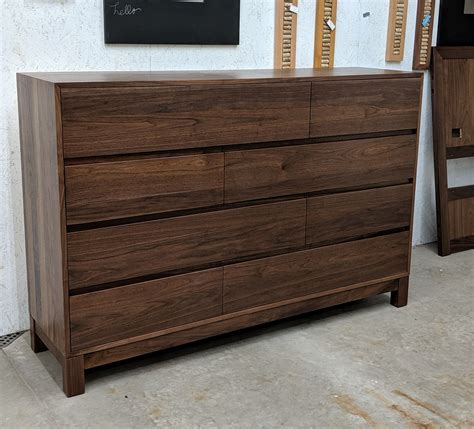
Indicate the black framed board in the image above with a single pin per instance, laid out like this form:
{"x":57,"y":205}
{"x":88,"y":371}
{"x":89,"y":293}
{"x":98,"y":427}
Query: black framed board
{"x":203,"y":22}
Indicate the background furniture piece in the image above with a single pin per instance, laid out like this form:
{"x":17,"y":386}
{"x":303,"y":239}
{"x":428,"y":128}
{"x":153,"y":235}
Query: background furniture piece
{"x":453,"y":126}
{"x":396,"y":29}
{"x":163,"y":208}
{"x":423,"y":34}
{"x":285,"y":33}
{"x":324,"y":34}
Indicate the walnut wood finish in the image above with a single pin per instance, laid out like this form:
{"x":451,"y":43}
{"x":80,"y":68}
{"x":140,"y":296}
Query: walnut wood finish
{"x":128,"y":311}
{"x":232,"y":322}
{"x":340,"y":108}
{"x":453,"y":127}
{"x":117,"y":189}
{"x":181,"y":195}
{"x":260,"y":282}
{"x":179,"y":117}
{"x":279,"y":171}
{"x":43,"y":201}
{"x":349,"y":215}
{"x":105,"y":255}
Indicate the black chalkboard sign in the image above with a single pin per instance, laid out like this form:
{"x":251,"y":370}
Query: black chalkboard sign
{"x":456,"y":27}
{"x":203,"y":22}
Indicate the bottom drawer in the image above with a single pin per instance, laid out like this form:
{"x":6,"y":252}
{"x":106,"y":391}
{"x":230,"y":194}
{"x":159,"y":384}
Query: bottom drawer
{"x":127,"y":311}
{"x":269,"y":280}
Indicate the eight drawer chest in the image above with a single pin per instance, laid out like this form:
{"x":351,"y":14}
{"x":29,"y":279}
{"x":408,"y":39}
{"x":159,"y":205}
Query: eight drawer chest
{"x":163,"y":208}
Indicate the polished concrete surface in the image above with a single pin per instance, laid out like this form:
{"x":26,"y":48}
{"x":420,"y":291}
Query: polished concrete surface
{"x":360,"y":365}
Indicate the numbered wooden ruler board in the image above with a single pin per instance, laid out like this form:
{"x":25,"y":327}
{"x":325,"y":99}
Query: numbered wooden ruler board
{"x":285,"y":37}
{"x":325,"y":35}
{"x":397,"y":20}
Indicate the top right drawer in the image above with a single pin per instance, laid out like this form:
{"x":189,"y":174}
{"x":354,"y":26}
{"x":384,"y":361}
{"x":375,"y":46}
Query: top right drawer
{"x":364,"y":106}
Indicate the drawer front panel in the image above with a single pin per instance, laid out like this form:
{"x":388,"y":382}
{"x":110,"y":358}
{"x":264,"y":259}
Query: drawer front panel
{"x":270,"y":280}
{"x":124,"y":312}
{"x":263,"y":173}
{"x":110,"y":190}
{"x":354,"y":214}
{"x":104,"y":121}
{"x":120,"y":252}
{"x":364,"y":106}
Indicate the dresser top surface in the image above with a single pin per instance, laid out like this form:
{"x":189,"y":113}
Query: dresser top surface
{"x":224,"y":76}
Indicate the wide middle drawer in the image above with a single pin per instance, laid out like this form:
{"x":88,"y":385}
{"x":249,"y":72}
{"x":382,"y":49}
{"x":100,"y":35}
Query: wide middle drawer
{"x":272,"y":172}
{"x":115,"y":189}
{"x":104,"y":255}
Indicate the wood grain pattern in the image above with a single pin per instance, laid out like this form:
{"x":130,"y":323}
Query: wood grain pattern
{"x":286,"y":23}
{"x":127,"y":311}
{"x":235,"y":321}
{"x":324,"y":37}
{"x":104,"y":121}
{"x":110,"y":190}
{"x":120,"y":252}
{"x":340,"y":108}
{"x":308,"y":168}
{"x":396,"y":29}
{"x":43,"y":193}
{"x":461,"y":218}
{"x":453,"y":125}
{"x":347,"y":215}
{"x":73,"y":376}
{"x":217,"y":77}
{"x":260,"y":282}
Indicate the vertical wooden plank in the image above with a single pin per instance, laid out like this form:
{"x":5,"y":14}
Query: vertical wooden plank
{"x":423,"y":34}
{"x":440,"y":136}
{"x":396,"y":30}
{"x":285,"y":34}
{"x":325,"y":37}
{"x":43,"y":196}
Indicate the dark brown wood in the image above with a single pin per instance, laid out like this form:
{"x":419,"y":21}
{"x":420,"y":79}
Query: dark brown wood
{"x":453,"y":131}
{"x":423,"y":34}
{"x":110,"y":190}
{"x":109,"y":254}
{"x":128,"y":311}
{"x":338,"y":217}
{"x":399,"y":297}
{"x":461,"y":192}
{"x":73,"y":376}
{"x":178,"y":117}
{"x":460,"y":152}
{"x":254,"y":283}
{"x":143,"y":78}
{"x":290,"y":170}
{"x":43,"y":202}
{"x":36,"y":343}
{"x":188,"y":192}
{"x":235,"y":321}
{"x":462,"y":244}
{"x":351,"y":107}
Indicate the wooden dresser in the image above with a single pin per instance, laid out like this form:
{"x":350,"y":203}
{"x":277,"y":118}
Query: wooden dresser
{"x":163,"y":208}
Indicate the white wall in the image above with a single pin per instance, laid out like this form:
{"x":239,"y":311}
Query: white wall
{"x":54,"y":35}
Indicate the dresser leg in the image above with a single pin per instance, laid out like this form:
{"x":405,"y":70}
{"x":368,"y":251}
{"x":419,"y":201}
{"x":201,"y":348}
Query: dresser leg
{"x":399,"y":297}
{"x":36,"y":344}
{"x":73,"y":376}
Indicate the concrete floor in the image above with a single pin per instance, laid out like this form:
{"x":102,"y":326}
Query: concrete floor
{"x":360,"y":365}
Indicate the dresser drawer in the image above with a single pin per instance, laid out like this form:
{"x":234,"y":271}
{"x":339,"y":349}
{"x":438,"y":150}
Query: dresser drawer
{"x":364,"y":106}
{"x":348,"y":215}
{"x":104,"y":121}
{"x":263,"y":173}
{"x":125,"y":312}
{"x":269,"y":280}
{"x":109,"y":254}
{"x":109,"y":190}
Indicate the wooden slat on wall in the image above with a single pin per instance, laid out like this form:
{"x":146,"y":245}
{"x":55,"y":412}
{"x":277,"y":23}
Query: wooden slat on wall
{"x":285,"y":35}
{"x":325,"y":37}
{"x":423,"y":34}
{"x":396,"y":30}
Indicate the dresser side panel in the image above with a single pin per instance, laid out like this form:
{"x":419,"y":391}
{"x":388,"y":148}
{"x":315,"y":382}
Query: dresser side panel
{"x":43,"y":199}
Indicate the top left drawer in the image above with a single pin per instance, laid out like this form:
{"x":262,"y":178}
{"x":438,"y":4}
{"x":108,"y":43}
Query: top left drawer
{"x":120,"y":120}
